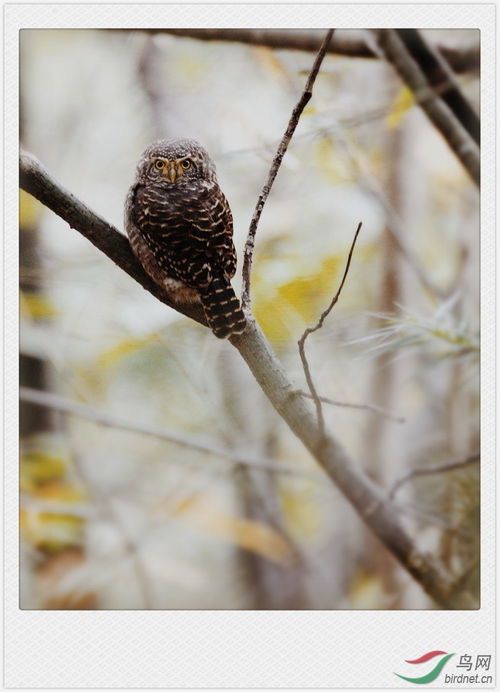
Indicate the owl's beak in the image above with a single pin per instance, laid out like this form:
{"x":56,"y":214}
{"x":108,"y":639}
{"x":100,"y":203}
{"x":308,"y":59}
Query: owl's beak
{"x":172,"y":170}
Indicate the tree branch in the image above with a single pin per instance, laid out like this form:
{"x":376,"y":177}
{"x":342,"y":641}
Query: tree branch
{"x":310,"y":330}
{"x":431,"y":470}
{"x":74,"y":408}
{"x":441,"y":77}
{"x":458,"y":139}
{"x":462,"y":59}
{"x":368,"y":499}
{"x":362,"y":407}
{"x":273,"y":171}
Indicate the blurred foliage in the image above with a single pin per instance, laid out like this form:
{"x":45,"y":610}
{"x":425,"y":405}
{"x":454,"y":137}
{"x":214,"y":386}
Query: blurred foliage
{"x":30,"y":210}
{"x":402,"y":103}
{"x":202,"y":513}
{"x":37,"y":306}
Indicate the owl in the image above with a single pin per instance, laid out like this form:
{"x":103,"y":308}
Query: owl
{"x":180,"y":228}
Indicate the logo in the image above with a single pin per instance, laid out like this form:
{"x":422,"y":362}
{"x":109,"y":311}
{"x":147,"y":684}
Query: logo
{"x":432,"y":674}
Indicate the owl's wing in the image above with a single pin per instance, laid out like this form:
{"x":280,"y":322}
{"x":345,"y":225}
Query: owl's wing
{"x":221,"y":236}
{"x":191,"y":239}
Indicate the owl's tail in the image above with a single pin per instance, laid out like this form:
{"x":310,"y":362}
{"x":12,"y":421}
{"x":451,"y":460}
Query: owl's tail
{"x":222,"y":309}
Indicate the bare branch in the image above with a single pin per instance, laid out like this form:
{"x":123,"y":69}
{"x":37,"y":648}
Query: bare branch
{"x":441,"y":77}
{"x":74,"y":408}
{"x":273,"y":171}
{"x":431,"y":470}
{"x":362,"y":407}
{"x":459,"y":141}
{"x":461,"y":58}
{"x":310,"y":330}
{"x":367,"y":498}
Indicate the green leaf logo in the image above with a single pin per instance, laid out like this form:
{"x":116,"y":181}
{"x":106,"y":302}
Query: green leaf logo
{"x":431,"y":675}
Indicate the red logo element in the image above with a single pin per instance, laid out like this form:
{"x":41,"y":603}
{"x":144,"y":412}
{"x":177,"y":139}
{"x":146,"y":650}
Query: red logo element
{"x":427,"y":656}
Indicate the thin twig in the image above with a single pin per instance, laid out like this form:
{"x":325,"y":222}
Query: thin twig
{"x":58,"y":403}
{"x":273,"y":171}
{"x":431,"y":470}
{"x":311,"y":330}
{"x":362,"y":407}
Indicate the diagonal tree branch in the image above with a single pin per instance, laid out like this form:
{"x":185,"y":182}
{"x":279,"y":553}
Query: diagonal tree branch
{"x":461,"y":58}
{"x":273,"y":171}
{"x":367,"y":498}
{"x":442,"y":79}
{"x":458,"y":139}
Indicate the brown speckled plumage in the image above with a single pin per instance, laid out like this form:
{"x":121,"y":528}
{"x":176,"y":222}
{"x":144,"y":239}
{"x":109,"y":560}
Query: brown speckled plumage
{"x":181,"y":229}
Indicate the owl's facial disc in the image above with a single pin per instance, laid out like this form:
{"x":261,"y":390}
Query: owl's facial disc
{"x":174,"y":169}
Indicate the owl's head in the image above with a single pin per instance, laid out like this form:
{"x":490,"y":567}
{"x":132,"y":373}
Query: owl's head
{"x":175,"y":162}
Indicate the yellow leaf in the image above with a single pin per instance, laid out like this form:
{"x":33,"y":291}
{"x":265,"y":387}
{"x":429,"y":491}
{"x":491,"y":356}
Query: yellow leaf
{"x":403,"y":102}
{"x":246,"y":533}
{"x":60,"y":491}
{"x":273,"y":318}
{"x":269,"y":60}
{"x":49,"y":531}
{"x":310,"y":110}
{"x":367,"y":592}
{"x":30,"y":210}
{"x":329,"y":163}
{"x":301,"y":512}
{"x":39,"y":467}
{"x":124,"y":349}
{"x":37,"y":306}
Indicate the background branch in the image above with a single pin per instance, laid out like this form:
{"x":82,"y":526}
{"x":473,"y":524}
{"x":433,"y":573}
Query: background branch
{"x":273,"y":171}
{"x":440,"y":75}
{"x":75,"y":408}
{"x":362,"y":407}
{"x":462,"y":59}
{"x":432,"y":470}
{"x":458,"y":139}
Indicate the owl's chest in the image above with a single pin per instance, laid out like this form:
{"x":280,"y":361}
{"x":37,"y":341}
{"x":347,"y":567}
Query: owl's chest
{"x":170,"y":215}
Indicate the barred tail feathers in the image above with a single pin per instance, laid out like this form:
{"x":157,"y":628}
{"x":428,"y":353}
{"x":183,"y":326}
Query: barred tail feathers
{"x":222,"y":309}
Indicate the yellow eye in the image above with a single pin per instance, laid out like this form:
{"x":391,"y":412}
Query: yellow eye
{"x":159,"y":164}
{"x":186,"y":163}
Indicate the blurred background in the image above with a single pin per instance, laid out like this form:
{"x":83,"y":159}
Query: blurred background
{"x":131,"y":497}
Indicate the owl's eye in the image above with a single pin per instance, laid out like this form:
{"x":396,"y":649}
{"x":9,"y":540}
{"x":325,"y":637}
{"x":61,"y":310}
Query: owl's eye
{"x":186,"y":163}
{"x":159,"y":164}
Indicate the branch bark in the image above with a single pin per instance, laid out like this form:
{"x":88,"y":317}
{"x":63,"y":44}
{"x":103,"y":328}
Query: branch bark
{"x":462,"y":59}
{"x":458,"y":139}
{"x":368,"y":499}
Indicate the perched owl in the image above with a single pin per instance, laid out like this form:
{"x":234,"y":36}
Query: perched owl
{"x":181,"y":229}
